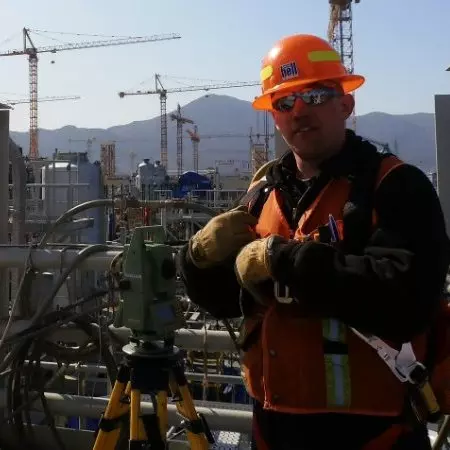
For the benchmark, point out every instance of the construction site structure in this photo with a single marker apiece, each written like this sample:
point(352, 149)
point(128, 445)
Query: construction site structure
point(258, 151)
point(88, 142)
point(162, 92)
point(340, 35)
point(108, 159)
point(14, 102)
point(132, 155)
point(180, 122)
point(195, 139)
point(259, 156)
point(32, 52)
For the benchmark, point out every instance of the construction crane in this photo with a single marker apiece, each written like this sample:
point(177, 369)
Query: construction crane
point(162, 92)
point(180, 122)
point(340, 35)
point(43, 99)
point(32, 52)
point(195, 139)
point(258, 152)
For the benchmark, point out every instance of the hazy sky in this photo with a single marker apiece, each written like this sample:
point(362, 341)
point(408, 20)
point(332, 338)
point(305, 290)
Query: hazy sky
point(401, 46)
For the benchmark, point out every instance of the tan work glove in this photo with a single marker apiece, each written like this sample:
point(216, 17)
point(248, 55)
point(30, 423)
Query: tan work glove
point(252, 267)
point(222, 237)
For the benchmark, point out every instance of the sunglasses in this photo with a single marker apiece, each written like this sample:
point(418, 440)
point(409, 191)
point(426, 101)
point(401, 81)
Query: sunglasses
point(313, 97)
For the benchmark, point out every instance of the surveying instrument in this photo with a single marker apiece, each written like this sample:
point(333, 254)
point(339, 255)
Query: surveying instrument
point(152, 364)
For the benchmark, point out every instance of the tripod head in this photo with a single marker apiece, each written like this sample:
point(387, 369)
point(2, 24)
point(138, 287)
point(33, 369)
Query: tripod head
point(149, 306)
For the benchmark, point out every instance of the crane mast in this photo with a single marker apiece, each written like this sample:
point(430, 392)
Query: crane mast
point(340, 35)
point(195, 139)
point(33, 85)
point(32, 52)
point(163, 118)
point(180, 122)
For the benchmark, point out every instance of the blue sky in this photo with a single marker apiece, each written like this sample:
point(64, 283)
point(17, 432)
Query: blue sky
point(401, 46)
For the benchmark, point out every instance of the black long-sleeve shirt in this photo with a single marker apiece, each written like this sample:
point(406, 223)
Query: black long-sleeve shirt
point(391, 289)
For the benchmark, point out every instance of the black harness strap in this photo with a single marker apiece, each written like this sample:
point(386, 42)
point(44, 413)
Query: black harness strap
point(358, 210)
point(255, 197)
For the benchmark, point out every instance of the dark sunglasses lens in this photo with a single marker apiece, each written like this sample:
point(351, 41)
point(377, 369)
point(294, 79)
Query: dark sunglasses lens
point(317, 96)
point(312, 97)
point(285, 104)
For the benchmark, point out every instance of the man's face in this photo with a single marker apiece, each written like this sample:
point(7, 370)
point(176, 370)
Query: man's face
point(312, 120)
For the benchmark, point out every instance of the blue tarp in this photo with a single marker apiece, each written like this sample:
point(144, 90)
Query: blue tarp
point(192, 181)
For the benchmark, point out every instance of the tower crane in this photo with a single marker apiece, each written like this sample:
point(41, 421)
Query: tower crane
point(340, 35)
point(162, 92)
point(32, 52)
point(195, 139)
point(43, 99)
point(180, 122)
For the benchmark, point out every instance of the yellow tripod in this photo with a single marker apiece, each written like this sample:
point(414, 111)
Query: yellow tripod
point(150, 368)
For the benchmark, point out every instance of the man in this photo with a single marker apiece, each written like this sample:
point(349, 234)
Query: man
point(337, 238)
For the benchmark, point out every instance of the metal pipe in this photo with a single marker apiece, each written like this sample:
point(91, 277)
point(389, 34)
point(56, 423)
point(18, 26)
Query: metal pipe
point(90, 204)
point(64, 334)
point(216, 341)
point(97, 368)
point(4, 210)
point(217, 418)
point(187, 339)
point(173, 203)
point(53, 185)
point(43, 259)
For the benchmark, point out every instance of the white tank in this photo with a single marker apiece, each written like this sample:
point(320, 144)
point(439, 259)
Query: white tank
point(150, 176)
point(74, 168)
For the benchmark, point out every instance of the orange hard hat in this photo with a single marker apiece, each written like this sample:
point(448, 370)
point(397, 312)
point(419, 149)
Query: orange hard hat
point(301, 60)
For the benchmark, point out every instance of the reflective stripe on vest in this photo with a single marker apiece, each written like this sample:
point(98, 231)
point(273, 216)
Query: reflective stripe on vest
point(337, 371)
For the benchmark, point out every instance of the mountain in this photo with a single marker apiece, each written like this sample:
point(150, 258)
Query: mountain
point(412, 135)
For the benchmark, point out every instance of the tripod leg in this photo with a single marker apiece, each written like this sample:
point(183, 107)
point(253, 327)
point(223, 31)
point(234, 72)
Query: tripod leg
point(195, 426)
point(109, 426)
point(137, 432)
point(163, 419)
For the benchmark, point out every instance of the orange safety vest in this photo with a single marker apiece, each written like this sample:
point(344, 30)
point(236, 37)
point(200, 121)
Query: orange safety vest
point(286, 369)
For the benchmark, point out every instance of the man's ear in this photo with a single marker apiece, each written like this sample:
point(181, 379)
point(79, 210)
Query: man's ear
point(347, 105)
point(274, 120)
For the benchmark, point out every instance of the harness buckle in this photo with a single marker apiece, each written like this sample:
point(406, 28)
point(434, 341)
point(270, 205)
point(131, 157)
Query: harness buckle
point(282, 294)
